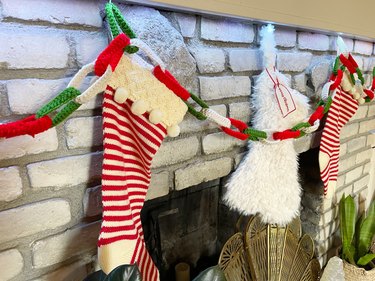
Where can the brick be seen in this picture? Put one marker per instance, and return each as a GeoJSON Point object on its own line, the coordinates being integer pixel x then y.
{"type": "Point", "coordinates": [349, 130]}
{"type": "Point", "coordinates": [11, 264]}
{"type": "Point", "coordinates": [240, 111]}
{"type": "Point", "coordinates": [159, 185]}
{"type": "Point", "coordinates": [293, 61]}
{"type": "Point", "coordinates": [224, 87]}
{"type": "Point", "coordinates": [226, 31]}
{"type": "Point", "coordinates": [347, 163]}
{"type": "Point", "coordinates": [209, 60]}
{"type": "Point", "coordinates": [92, 201]}
{"type": "Point", "coordinates": [187, 24]}
{"type": "Point", "coordinates": [176, 151]}
{"type": "Point", "coordinates": [368, 65]}
{"type": "Point", "coordinates": [90, 46]}
{"type": "Point", "coordinates": [26, 96]}
{"type": "Point", "coordinates": [360, 184]}
{"type": "Point", "coordinates": [356, 144]}
{"type": "Point", "coordinates": [26, 145]}
{"type": "Point", "coordinates": [371, 139]}
{"type": "Point", "coordinates": [371, 111]}
{"type": "Point", "coordinates": [202, 172]}
{"type": "Point", "coordinates": [76, 271]}
{"type": "Point", "coordinates": [191, 124]}
{"type": "Point", "coordinates": [58, 12]}
{"type": "Point", "coordinates": [66, 171]}
{"type": "Point", "coordinates": [348, 42]}
{"type": "Point", "coordinates": [363, 156]}
{"type": "Point", "coordinates": [320, 73]}
{"type": "Point", "coordinates": [362, 47]}
{"type": "Point", "coordinates": [313, 41]}
{"type": "Point", "coordinates": [329, 216]}
{"type": "Point", "coordinates": [285, 37]}
{"type": "Point", "coordinates": [366, 126]}
{"type": "Point", "coordinates": [367, 168]}
{"type": "Point", "coordinates": [33, 218]}
{"type": "Point", "coordinates": [245, 60]}
{"type": "Point", "coordinates": [346, 190]}
{"type": "Point", "coordinates": [299, 82]}
{"type": "Point", "coordinates": [220, 142]}
{"type": "Point", "coordinates": [361, 113]}
{"type": "Point", "coordinates": [30, 48]}
{"type": "Point", "coordinates": [60, 247]}
{"type": "Point", "coordinates": [353, 174]}
{"type": "Point", "coordinates": [10, 184]}
{"type": "Point", "coordinates": [343, 149]}
{"type": "Point", "coordinates": [84, 132]}
{"type": "Point", "coordinates": [359, 60]}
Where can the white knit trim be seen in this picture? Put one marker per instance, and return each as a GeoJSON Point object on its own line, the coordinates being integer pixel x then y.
{"type": "Point", "coordinates": [213, 116]}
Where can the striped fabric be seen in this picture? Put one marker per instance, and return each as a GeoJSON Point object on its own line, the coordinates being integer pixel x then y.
{"type": "Point", "coordinates": [130, 143]}
{"type": "Point", "coordinates": [342, 109]}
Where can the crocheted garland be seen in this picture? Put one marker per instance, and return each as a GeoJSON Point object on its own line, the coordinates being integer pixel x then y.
{"type": "Point", "coordinates": [41, 121]}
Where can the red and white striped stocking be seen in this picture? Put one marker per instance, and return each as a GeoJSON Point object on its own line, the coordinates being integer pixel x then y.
{"type": "Point", "coordinates": [343, 107]}
{"type": "Point", "coordinates": [130, 143]}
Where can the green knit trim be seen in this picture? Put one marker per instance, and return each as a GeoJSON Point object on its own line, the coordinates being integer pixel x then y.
{"type": "Point", "coordinates": [352, 78]}
{"type": "Point", "coordinates": [122, 22]}
{"type": "Point", "coordinates": [199, 101]}
{"type": "Point", "coordinates": [194, 112]}
{"type": "Point", "coordinates": [336, 65]}
{"type": "Point", "coordinates": [373, 72]}
{"type": "Point", "coordinates": [111, 20]}
{"type": "Point", "coordinates": [299, 126]}
{"type": "Point", "coordinates": [255, 135]}
{"type": "Point", "coordinates": [68, 109]}
{"type": "Point", "coordinates": [327, 105]}
{"type": "Point", "coordinates": [360, 76]}
{"type": "Point", "coordinates": [59, 100]}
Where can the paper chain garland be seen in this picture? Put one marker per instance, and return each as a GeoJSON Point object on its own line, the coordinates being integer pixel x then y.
{"type": "Point", "coordinates": [67, 99]}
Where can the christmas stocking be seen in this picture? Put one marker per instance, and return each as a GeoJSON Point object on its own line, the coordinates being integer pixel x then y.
{"type": "Point", "coordinates": [266, 181]}
{"type": "Point", "coordinates": [343, 107]}
{"type": "Point", "coordinates": [138, 112]}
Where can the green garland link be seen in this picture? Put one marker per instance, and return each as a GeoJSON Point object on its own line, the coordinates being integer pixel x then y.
{"type": "Point", "coordinates": [327, 105]}
{"type": "Point", "coordinates": [336, 65]}
{"type": "Point", "coordinates": [360, 76]}
{"type": "Point", "coordinates": [116, 20]}
{"type": "Point", "coordinates": [193, 111]}
{"type": "Point", "coordinates": [299, 126]}
{"type": "Point", "coordinates": [59, 100]}
{"type": "Point", "coordinates": [255, 135]}
{"type": "Point", "coordinates": [68, 109]}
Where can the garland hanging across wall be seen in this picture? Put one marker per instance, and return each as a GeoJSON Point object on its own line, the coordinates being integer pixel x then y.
{"type": "Point", "coordinates": [144, 103]}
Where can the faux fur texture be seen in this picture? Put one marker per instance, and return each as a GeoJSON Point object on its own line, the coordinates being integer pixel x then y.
{"type": "Point", "coordinates": [266, 181]}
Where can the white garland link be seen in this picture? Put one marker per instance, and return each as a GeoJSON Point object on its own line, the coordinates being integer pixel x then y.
{"type": "Point", "coordinates": [148, 51]}
{"type": "Point", "coordinates": [311, 129]}
{"type": "Point", "coordinates": [213, 116]}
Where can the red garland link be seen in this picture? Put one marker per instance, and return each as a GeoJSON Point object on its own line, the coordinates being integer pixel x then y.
{"type": "Point", "coordinates": [318, 114]}
{"type": "Point", "coordinates": [349, 65]}
{"type": "Point", "coordinates": [369, 93]}
{"type": "Point", "coordinates": [111, 55]}
{"type": "Point", "coordinates": [337, 79]}
{"type": "Point", "coordinates": [172, 84]}
{"type": "Point", "coordinates": [287, 134]}
{"type": "Point", "coordinates": [237, 134]}
{"type": "Point", "coordinates": [28, 126]}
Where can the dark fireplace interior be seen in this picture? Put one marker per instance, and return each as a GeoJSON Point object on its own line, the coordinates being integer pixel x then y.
{"type": "Point", "coordinates": [192, 225]}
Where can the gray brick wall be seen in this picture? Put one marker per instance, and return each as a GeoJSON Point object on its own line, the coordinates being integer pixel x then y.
{"type": "Point", "coordinates": [50, 184]}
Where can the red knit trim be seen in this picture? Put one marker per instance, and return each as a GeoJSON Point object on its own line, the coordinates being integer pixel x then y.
{"type": "Point", "coordinates": [237, 134]}
{"type": "Point", "coordinates": [287, 134]}
{"type": "Point", "coordinates": [28, 126]}
{"type": "Point", "coordinates": [172, 84]}
{"type": "Point", "coordinates": [369, 93]}
{"type": "Point", "coordinates": [352, 61]}
{"type": "Point", "coordinates": [318, 114]}
{"type": "Point", "coordinates": [111, 55]}
{"type": "Point", "coordinates": [338, 80]}
{"type": "Point", "coordinates": [348, 64]}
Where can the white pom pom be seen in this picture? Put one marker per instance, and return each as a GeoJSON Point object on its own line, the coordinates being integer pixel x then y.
{"type": "Point", "coordinates": [156, 116]}
{"type": "Point", "coordinates": [361, 100]}
{"type": "Point", "coordinates": [356, 95]}
{"type": "Point", "coordinates": [173, 131]}
{"type": "Point", "coordinates": [139, 107]}
{"type": "Point", "coordinates": [121, 95]}
{"type": "Point", "coordinates": [346, 84]}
